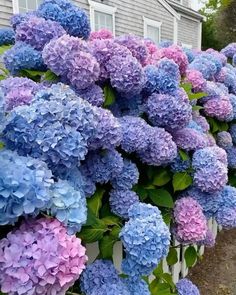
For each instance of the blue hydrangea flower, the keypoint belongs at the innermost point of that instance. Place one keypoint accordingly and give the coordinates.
(232, 131)
(186, 287)
(94, 95)
(3, 107)
(165, 43)
(142, 211)
(24, 186)
(232, 99)
(224, 139)
(103, 166)
(118, 288)
(55, 127)
(96, 275)
(160, 148)
(168, 111)
(180, 165)
(18, 18)
(231, 156)
(121, 201)
(128, 178)
(229, 50)
(207, 65)
(190, 54)
(68, 205)
(22, 56)
(69, 16)
(7, 36)
(145, 238)
(137, 286)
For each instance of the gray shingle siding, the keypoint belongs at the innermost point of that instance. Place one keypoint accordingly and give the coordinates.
(6, 12)
(188, 31)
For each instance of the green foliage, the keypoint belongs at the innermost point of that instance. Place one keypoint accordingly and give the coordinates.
(161, 177)
(1, 147)
(217, 126)
(172, 257)
(109, 96)
(190, 256)
(95, 202)
(183, 155)
(93, 233)
(4, 48)
(33, 75)
(161, 197)
(181, 181)
(50, 76)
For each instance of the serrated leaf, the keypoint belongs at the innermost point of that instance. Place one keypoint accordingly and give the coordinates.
(190, 256)
(172, 257)
(110, 96)
(181, 181)
(183, 155)
(161, 177)
(161, 197)
(197, 108)
(95, 202)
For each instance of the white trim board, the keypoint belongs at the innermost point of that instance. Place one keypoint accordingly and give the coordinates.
(169, 8)
(150, 22)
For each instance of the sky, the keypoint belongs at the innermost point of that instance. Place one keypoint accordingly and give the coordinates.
(196, 4)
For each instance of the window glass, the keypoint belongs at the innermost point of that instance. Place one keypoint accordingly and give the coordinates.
(28, 5)
(153, 33)
(103, 21)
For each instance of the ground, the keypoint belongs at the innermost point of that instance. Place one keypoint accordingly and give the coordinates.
(216, 273)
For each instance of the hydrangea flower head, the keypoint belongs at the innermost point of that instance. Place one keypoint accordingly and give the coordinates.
(22, 56)
(206, 66)
(40, 257)
(18, 18)
(190, 222)
(190, 54)
(209, 241)
(18, 91)
(153, 52)
(201, 121)
(231, 156)
(121, 201)
(233, 132)
(224, 139)
(186, 287)
(217, 55)
(69, 16)
(180, 165)
(7, 36)
(101, 34)
(195, 77)
(119, 288)
(137, 286)
(93, 94)
(229, 50)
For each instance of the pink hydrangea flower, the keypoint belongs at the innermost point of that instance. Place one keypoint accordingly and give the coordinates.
(101, 34)
(196, 79)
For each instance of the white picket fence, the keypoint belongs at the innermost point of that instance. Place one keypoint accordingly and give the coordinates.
(178, 270)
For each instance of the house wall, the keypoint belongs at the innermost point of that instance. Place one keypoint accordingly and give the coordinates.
(188, 31)
(6, 11)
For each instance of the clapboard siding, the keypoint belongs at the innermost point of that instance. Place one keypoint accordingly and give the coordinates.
(188, 31)
(6, 11)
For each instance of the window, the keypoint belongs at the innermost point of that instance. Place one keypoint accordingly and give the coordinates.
(185, 45)
(152, 30)
(21, 6)
(102, 16)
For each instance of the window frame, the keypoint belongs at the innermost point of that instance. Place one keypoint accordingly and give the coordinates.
(186, 45)
(102, 8)
(153, 23)
(16, 6)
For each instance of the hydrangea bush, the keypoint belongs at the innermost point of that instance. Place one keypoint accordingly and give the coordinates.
(109, 140)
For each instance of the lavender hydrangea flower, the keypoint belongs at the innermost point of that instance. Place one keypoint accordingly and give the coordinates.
(18, 91)
(22, 56)
(201, 121)
(40, 258)
(55, 127)
(134, 132)
(217, 55)
(224, 139)
(94, 95)
(2, 109)
(24, 186)
(104, 166)
(209, 241)
(190, 222)
(186, 287)
(168, 111)
(160, 148)
(231, 156)
(232, 131)
(126, 74)
(145, 238)
(69, 57)
(18, 18)
(227, 76)
(195, 77)
(108, 132)
(229, 50)
(180, 165)
(37, 32)
(204, 158)
(7, 36)
(137, 286)
(165, 43)
(69, 16)
(232, 99)
(128, 178)
(101, 34)
(96, 275)
(121, 201)
(206, 66)
(135, 44)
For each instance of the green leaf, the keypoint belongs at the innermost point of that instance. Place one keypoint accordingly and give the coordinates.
(158, 288)
(115, 232)
(181, 181)
(183, 155)
(109, 96)
(91, 234)
(95, 202)
(197, 108)
(167, 216)
(161, 197)
(2, 77)
(187, 87)
(172, 257)
(141, 192)
(33, 73)
(4, 48)
(198, 95)
(1, 145)
(50, 76)
(112, 220)
(167, 278)
(106, 245)
(158, 271)
(190, 256)
(91, 218)
(161, 178)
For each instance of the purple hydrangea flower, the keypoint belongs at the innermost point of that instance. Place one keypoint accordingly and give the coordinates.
(190, 222)
(7, 36)
(168, 111)
(94, 95)
(39, 258)
(231, 156)
(160, 148)
(22, 56)
(135, 44)
(209, 241)
(25, 185)
(232, 131)
(18, 91)
(232, 99)
(229, 50)
(201, 121)
(224, 139)
(101, 35)
(186, 287)
(121, 201)
(96, 275)
(37, 32)
(217, 55)
(69, 57)
(18, 18)
(128, 178)
(153, 52)
(69, 16)
(180, 165)
(205, 65)
(126, 74)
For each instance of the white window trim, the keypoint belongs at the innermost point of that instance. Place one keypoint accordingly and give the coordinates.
(150, 22)
(188, 46)
(15, 5)
(95, 6)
